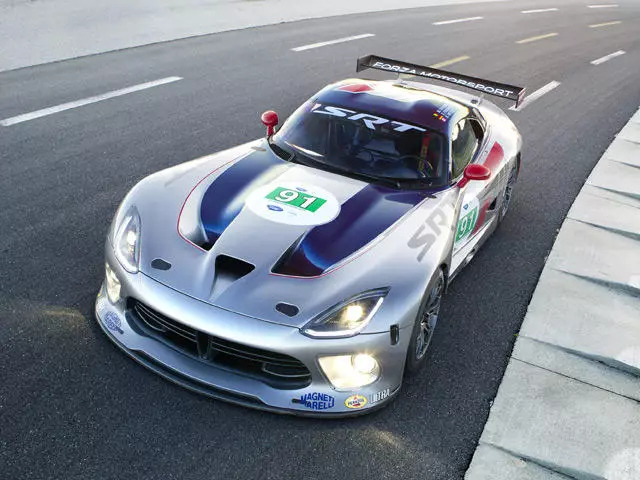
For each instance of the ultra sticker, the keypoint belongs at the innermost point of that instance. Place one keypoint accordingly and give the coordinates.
(316, 401)
(379, 396)
(113, 322)
(468, 219)
(355, 401)
(294, 204)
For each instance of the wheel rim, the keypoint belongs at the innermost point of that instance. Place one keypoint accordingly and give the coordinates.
(506, 201)
(429, 319)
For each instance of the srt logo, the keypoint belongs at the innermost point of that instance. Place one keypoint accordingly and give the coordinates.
(369, 120)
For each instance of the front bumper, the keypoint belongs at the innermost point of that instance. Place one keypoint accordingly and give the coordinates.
(233, 386)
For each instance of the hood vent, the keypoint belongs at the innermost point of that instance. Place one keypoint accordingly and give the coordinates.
(228, 270)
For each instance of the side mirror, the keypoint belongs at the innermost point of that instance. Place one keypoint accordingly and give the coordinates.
(270, 120)
(474, 171)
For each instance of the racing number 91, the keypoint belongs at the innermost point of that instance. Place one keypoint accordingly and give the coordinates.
(296, 199)
(466, 224)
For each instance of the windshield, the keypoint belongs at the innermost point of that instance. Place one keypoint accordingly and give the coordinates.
(364, 144)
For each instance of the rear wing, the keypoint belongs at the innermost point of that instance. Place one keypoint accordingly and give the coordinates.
(502, 90)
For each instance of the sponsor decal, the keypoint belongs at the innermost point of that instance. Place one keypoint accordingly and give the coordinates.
(467, 221)
(316, 401)
(379, 396)
(370, 121)
(438, 222)
(355, 401)
(444, 112)
(503, 92)
(113, 322)
(293, 204)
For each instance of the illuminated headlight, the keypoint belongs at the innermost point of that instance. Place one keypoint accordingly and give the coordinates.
(348, 318)
(113, 284)
(350, 371)
(126, 242)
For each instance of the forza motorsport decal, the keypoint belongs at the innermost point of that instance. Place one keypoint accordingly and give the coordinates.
(379, 396)
(294, 204)
(315, 401)
(468, 219)
(499, 89)
(355, 401)
(113, 322)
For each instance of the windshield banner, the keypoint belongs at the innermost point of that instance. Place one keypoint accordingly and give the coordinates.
(503, 90)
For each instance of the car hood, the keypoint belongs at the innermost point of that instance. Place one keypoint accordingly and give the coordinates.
(255, 224)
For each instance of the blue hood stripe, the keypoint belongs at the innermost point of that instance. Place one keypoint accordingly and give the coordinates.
(362, 219)
(216, 211)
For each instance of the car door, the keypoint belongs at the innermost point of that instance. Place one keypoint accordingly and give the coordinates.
(469, 144)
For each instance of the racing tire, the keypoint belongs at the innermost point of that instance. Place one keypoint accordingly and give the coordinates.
(507, 194)
(425, 324)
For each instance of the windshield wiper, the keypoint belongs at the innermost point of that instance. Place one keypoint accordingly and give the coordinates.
(281, 152)
(285, 154)
(363, 176)
(391, 182)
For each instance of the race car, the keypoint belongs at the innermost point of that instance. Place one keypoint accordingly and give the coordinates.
(303, 273)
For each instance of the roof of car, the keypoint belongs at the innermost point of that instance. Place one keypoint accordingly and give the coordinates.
(396, 101)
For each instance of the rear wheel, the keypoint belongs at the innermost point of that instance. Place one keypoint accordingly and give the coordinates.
(508, 192)
(425, 324)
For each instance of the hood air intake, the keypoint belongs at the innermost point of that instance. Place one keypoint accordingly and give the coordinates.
(228, 270)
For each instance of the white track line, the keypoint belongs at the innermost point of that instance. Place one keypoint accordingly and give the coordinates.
(540, 10)
(331, 42)
(535, 39)
(85, 101)
(458, 20)
(450, 62)
(606, 58)
(609, 5)
(529, 99)
(598, 25)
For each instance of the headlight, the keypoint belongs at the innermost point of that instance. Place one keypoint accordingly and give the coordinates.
(126, 242)
(348, 318)
(350, 371)
(113, 284)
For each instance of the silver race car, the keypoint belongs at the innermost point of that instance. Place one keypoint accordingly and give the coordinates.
(303, 272)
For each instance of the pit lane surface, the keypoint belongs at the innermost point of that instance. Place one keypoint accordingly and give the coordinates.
(73, 406)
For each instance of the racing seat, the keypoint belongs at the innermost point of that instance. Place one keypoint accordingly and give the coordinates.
(413, 145)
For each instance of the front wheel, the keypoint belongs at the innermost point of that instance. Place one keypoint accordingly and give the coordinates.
(425, 324)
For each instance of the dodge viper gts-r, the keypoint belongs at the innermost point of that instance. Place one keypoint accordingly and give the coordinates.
(303, 272)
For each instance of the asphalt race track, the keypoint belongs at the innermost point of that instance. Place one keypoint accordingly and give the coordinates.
(73, 406)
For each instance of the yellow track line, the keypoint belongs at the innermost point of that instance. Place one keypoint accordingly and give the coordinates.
(450, 62)
(605, 24)
(539, 37)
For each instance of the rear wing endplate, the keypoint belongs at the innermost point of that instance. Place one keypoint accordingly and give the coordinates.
(502, 90)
